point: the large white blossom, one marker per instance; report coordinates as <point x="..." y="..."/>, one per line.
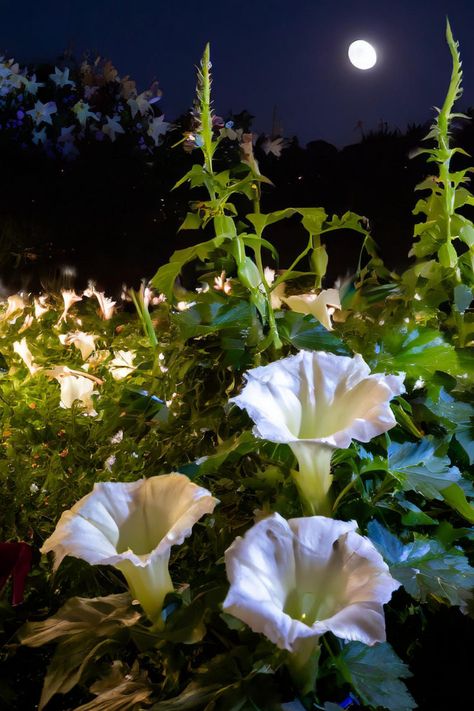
<point x="316" y="402"/>
<point x="85" y="342"/>
<point x="295" y="580"/>
<point x="122" y="365"/>
<point x="132" y="526"/>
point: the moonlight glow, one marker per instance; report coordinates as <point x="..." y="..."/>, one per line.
<point x="362" y="55"/>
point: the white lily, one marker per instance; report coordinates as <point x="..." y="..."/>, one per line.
<point x="77" y="388"/>
<point x="295" y="580"/>
<point x="316" y="402"/>
<point x="85" y="342"/>
<point x="132" y="526"/>
<point x="122" y="364"/>
<point x="21" y="349"/>
<point x="321" y="306"/>
<point x="106" y="305"/>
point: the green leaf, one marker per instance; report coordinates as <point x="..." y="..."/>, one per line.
<point x="85" y="629"/>
<point x="224" y="227"/>
<point x="457" y="417"/>
<point x="425" y="567"/>
<point x="447" y="255"/>
<point x="419" y="352"/>
<point x="456" y="498"/>
<point x="418" y="469"/>
<point x="192" y="221"/>
<point x="466" y="233"/>
<point x="166" y="275"/>
<point x="229" y="451"/>
<point x="304" y="332"/>
<point x="375" y="673"/>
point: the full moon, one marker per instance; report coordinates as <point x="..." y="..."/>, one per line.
<point x="362" y="55"/>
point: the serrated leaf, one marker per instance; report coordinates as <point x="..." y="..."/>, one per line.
<point x="376" y="675"/>
<point x="425" y="567"/>
<point x="419" y="352"/>
<point x="418" y="469"/>
<point x="304" y="332"/>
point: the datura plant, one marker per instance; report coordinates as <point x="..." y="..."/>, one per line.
<point x="295" y="580"/>
<point x="345" y="516"/>
<point x="315" y="403"/>
<point x="133" y="526"/>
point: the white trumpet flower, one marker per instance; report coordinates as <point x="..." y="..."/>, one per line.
<point x="122" y="364"/>
<point x="77" y="388"/>
<point x="295" y="580"/>
<point x="321" y="306"/>
<point x="132" y="526"/>
<point x="316" y="402"/>
<point x="21" y="349"/>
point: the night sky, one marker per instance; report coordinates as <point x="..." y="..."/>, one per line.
<point x="288" y="53"/>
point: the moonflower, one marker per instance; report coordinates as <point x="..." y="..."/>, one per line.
<point x="321" y="306"/>
<point x="316" y="402"/>
<point x="132" y="526"/>
<point x="21" y="349"/>
<point x="69" y="297"/>
<point x="295" y="580"/>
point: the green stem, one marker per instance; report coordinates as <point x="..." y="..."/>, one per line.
<point x="149" y="584"/>
<point x="313" y="478"/>
<point x="303" y="664"/>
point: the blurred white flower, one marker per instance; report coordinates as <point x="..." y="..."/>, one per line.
<point x="85" y="342"/>
<point x="61" y="78"/>
<point x="41" y="113"/>
<point x="157" y="128"/>
<point x="16" y="304"/>
<point x="40" y="306"/>
<point x="122" y="364"/>
<point x="221" y="283"/>
<point x="316" y="402"/>
<point x="106" y="305"/>
<point x="69" y="297"/>
<point x="132" y="526"/>
<point x="295" y="580"/>
<point x="112" y="127"/>
<point x="77" y="388"/>
<point x="321" y="306"/>
<point x="83" y="112"/>
<point x="21" y="349"/>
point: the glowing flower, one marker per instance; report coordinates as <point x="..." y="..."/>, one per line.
<point x="122" y="364"/>
<point x="16" y="304"/>
<point x="112" y="127"/>
<point x="157" y="128"/>
<point x="321" y="306"/>
<point x="42" y="113"/>
<point x="106" y="305"/>
<point x="26" y="323"/>
<point x="83" y="112"/>
<point x="21" y="349"/>
<point x="40" y="306"/>
<point x="316" y="402"/>
<point x="69" y="297"/>
<point x="85" y="342"/>
<point x="132" y="526"/>
<point x="77" y="388"/>
<point x="222" y="284"/>
<point x="61" y="78"/>
<point x="295" y="580"/>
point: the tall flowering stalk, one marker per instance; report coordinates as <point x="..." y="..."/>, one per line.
<point x="317" y="402"/>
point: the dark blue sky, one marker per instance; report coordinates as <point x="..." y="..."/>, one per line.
<point x="292" y="53"/>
